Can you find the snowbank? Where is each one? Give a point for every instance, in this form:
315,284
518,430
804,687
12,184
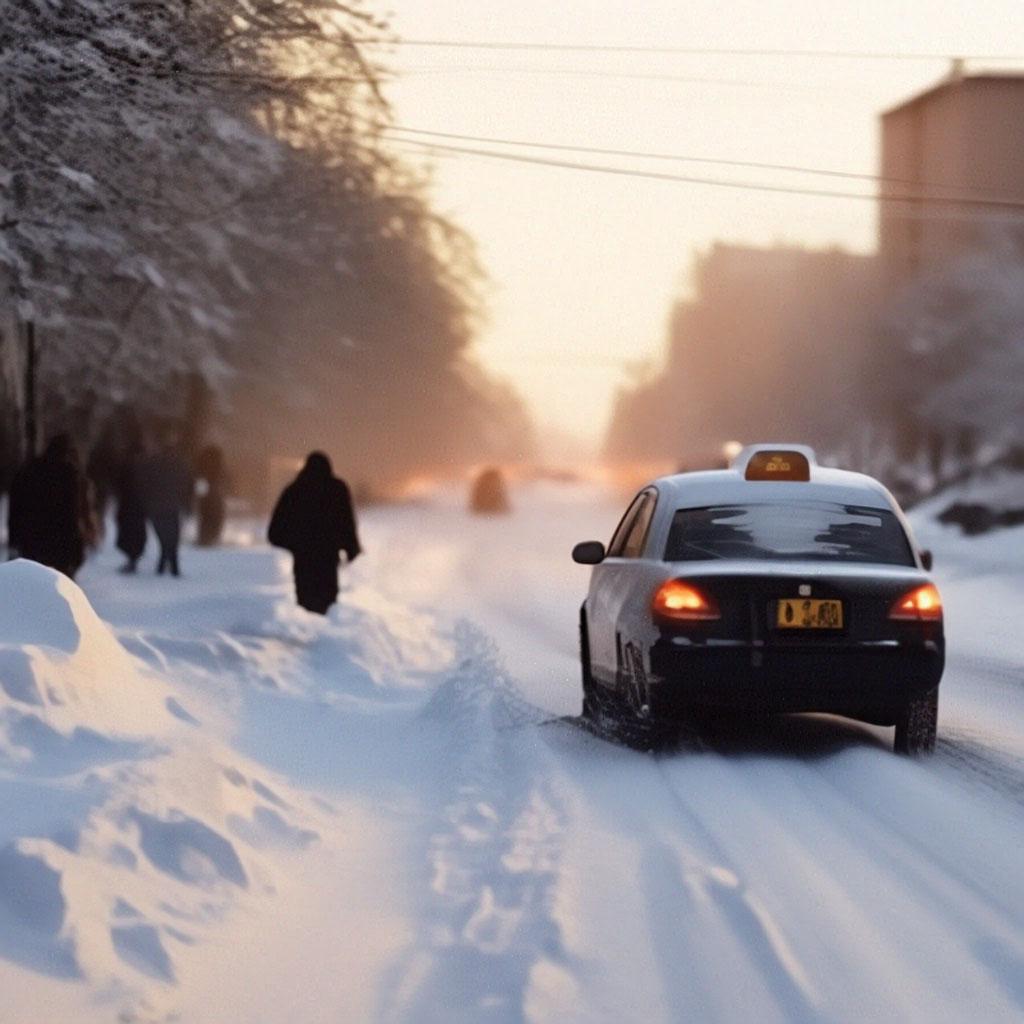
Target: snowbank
128,832
65,681
989,500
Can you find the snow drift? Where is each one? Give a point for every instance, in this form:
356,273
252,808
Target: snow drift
127,833
66,682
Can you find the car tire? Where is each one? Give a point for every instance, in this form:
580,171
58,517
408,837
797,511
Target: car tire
590,710
636,726
917,725
637,690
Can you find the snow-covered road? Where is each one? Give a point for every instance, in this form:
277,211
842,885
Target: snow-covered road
385,816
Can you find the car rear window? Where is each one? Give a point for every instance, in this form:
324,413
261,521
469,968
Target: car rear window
815,531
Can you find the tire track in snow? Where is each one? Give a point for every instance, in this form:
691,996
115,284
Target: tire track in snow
862,817
938,859
978,761
931,865
763,864
750,922
491,855
687,927
894,885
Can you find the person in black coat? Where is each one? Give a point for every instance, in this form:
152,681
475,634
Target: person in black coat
314,520
49,518
166,489
131,512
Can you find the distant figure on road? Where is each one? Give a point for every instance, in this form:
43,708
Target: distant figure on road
166,489
131,512
314,520
49,516
211,488
490,494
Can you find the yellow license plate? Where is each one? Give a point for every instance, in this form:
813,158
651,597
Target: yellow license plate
809,613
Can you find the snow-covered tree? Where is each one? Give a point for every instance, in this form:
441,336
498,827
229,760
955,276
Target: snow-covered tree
363,345
197,190
954,359
136,162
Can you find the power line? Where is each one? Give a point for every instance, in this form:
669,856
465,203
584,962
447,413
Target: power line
681,158
715,51
1004,204
607,73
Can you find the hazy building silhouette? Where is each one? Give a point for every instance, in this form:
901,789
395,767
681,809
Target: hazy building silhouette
949,348
770,346
962,138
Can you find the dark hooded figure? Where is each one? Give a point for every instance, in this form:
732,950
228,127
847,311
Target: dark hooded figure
131,512
49,515
314,520
166,488
489,495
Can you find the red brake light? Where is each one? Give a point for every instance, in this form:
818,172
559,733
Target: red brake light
682,601
921,603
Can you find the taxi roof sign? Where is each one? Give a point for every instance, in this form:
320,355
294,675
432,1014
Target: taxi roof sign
776,462
778,466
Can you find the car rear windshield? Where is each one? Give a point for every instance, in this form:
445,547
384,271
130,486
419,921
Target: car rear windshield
815,531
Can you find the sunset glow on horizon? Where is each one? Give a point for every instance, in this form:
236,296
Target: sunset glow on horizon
584,265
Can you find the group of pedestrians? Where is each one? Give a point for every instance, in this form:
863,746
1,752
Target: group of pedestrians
156,488
55,515
55,510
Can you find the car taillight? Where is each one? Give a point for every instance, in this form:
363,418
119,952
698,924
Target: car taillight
921,603
682,601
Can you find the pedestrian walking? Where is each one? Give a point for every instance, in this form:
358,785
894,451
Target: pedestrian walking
131,512
489,495
166,489
315,521
49,515
212,489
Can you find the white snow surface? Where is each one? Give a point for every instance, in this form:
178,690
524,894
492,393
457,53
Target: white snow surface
997,487
216,808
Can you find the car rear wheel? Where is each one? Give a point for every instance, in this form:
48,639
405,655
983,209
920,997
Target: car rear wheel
590,709
637,689
635,726
917,724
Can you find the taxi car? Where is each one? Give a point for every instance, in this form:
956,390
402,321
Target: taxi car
776,586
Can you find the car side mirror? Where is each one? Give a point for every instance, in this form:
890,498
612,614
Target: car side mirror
590,552
926,559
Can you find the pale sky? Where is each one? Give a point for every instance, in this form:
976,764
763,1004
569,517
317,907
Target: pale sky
584,267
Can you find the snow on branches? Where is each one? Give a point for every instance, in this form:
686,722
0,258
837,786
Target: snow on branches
957,336
139,150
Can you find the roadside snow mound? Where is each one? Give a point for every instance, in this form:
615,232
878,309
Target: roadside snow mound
989,500
62,672
128,831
